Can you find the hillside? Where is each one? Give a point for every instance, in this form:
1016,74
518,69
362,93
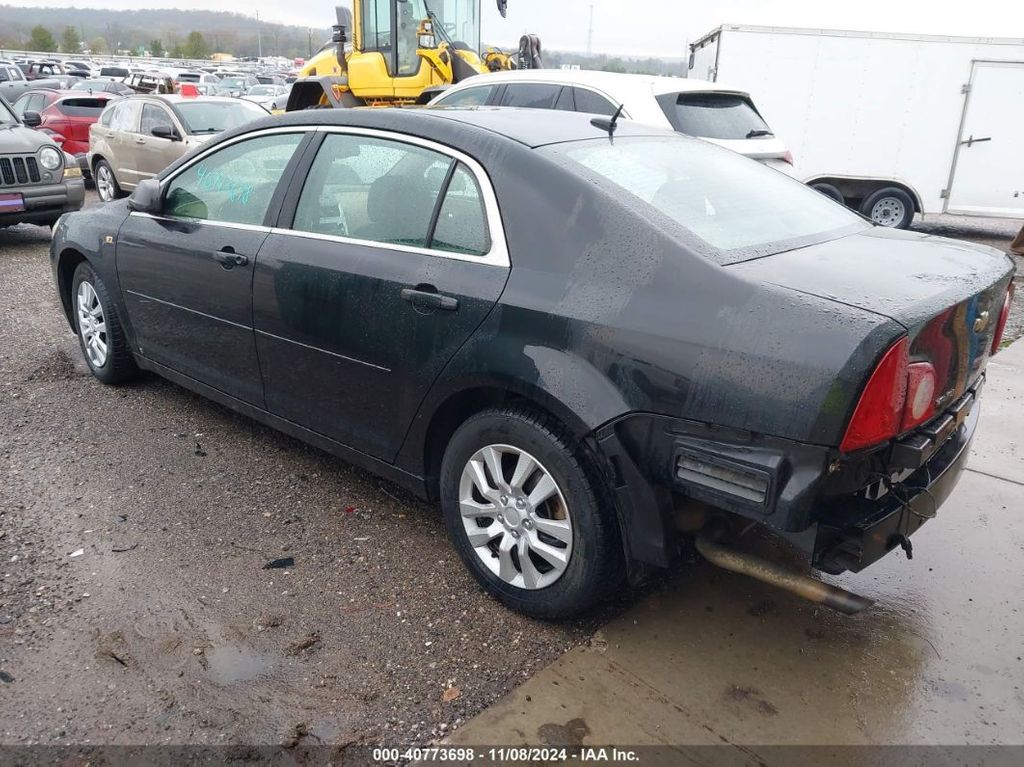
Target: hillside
109,30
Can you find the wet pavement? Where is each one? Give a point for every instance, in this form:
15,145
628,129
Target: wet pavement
166,628
715,658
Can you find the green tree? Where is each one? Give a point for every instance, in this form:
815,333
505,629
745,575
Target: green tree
40,39
156,48
98,45
70,42
196,47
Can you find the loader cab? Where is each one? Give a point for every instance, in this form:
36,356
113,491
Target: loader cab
389,36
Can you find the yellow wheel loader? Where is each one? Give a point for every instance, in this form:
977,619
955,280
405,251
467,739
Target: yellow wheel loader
387,52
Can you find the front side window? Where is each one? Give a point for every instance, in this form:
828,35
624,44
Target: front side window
377,26
728,201
154,116
714,115
234,184
531,95
392,193
593,103
470,97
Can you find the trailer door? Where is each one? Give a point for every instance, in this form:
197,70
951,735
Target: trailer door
988,167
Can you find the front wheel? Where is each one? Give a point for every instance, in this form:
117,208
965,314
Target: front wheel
100,334
527,516
890,207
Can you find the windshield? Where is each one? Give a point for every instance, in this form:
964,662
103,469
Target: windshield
217,116
714,115
726,200
232,82
6,115
263,90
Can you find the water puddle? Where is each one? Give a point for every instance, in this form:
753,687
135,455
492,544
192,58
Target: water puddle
229,664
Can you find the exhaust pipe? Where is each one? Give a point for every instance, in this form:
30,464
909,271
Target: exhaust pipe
768,572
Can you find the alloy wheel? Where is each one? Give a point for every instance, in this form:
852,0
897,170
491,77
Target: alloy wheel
105,183
515,517
91,325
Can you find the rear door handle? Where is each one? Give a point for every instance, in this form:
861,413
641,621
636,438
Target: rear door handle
229,259
430,300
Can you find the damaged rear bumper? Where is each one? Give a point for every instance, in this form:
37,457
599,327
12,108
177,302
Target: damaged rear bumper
845,511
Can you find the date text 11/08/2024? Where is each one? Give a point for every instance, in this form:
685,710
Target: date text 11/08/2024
531,754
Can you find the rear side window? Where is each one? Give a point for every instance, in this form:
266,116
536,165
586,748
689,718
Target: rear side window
372,189
461,224
531,95
470,97
234,184
82,107
593,103
713,115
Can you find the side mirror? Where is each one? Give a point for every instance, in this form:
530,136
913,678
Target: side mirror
166,131
146,197
32,119
503,8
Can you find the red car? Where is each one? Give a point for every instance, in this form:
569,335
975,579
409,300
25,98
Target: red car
65,116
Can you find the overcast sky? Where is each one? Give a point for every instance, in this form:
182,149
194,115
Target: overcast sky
654,27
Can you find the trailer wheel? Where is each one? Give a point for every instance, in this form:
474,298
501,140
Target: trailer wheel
829,191
890,207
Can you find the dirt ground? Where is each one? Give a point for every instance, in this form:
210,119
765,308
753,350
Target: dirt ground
136,526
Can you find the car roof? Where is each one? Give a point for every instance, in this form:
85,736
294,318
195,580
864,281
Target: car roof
611,82
530,127
177,98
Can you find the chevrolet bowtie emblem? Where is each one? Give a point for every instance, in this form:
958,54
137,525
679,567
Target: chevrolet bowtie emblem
981,323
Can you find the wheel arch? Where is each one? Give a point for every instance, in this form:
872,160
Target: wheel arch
67,263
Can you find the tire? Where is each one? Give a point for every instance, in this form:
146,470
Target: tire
889,207
829,191
577,511
106,182
90,299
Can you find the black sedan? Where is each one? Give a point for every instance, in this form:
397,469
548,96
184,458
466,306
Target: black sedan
571,336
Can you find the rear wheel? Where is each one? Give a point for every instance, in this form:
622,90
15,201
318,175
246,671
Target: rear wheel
890,207
106,183
527,516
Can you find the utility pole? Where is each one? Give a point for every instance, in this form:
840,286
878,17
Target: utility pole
590,32
259,36
309,41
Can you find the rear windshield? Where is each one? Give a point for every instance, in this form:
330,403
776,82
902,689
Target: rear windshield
82,107
217,116
727,201
113,72
713,115
189,77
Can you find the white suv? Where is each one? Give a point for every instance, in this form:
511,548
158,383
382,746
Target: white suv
723,116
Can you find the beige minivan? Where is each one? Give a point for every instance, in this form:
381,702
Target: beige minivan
138,136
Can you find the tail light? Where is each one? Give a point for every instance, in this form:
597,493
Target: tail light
1004,315
788,157
878,416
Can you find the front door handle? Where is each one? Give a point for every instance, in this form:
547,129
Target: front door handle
229,259
430,299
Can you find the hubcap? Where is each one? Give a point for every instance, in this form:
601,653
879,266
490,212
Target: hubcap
888,211
91,325
104,183
515,517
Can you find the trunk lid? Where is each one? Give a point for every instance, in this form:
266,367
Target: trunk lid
948,294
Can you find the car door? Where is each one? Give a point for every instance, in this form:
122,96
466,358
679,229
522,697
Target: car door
392,258
153,153
186,273
122,132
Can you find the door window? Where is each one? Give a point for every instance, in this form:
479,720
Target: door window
126,117
377,26
470,97
531,96
234,184
153,116
372,189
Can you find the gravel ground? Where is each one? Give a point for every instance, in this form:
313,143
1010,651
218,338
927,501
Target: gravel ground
135,524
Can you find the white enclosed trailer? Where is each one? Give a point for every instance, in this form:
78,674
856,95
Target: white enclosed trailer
891,123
